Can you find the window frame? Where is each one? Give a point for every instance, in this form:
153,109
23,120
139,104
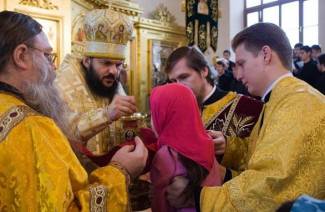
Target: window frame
261,7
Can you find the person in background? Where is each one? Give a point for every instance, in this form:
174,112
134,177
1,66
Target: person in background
297,63
316,50
226,55
236,85
309,73
320,84
224,75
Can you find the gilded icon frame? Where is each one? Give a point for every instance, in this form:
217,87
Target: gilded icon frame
159,50
52,27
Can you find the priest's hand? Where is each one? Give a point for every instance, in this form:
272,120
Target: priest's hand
176,193
121,106
132,158
219,141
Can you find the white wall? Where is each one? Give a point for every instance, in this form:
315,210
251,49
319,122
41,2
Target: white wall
174,6
230,23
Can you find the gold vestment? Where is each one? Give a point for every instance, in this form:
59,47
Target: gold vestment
282,159
40,172
88,117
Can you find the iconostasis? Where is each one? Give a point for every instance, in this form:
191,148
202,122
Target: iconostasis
154,37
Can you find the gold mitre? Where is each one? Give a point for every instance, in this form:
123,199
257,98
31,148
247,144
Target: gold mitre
107,33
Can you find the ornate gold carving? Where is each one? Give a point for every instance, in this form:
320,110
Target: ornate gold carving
158,27
190,32
190,5
215,11
202,37
162,14
44,4
124,6
214,37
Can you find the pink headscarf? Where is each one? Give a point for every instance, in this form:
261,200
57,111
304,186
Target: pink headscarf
176,118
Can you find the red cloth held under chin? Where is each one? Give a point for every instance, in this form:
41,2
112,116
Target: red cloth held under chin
146,135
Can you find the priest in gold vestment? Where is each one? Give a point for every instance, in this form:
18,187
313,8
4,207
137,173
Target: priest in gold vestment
228,112
283,157
90,85
39,171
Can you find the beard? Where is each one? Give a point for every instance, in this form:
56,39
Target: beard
96,85
44,97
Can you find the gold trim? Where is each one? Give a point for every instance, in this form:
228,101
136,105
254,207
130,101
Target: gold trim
217,114
85,4
230,114
123,170
110,56
123,6
12,118
133,117
98,198
162,43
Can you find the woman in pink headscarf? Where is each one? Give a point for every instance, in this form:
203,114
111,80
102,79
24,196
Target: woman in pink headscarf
184,148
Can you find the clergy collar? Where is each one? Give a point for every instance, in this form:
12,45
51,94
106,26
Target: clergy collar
10,89
210,94
214,96
271,86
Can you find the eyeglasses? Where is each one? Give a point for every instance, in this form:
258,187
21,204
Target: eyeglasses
51,57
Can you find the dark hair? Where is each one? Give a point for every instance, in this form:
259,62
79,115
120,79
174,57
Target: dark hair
321,59
221,63
94,83
15,29
195,173
227,51
261,34
194,60
298,45
306,49
316,47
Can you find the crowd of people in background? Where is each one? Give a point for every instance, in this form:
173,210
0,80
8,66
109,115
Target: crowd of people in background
308,65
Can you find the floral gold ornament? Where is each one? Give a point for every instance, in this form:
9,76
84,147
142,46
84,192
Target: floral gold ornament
44,4
162,14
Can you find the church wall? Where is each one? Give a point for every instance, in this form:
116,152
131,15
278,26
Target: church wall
230,23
